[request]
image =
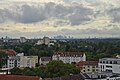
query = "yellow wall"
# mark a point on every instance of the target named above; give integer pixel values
(87, 68)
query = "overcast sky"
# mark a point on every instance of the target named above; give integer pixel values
(77, 18)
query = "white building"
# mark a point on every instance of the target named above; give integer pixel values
(20, 60)
(109, 65)
(13, 61)
(44, 60)
(28, 61)
(101, 76)
(45, 40)
(23, 39)
(69, 57)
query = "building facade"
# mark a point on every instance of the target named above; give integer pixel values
(44, 60)
(28, 61)
(8, 53)
(45, 40)
(69, 57)
(101, 76)
(109, 65)
(23, 40)
(13, 61)
(19, 60)
(88, 66)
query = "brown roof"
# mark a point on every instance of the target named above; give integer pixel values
(81, 63)
(8, 51)
(69, 54)
(15, 77)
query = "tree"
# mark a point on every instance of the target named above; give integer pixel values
(58, 68)
(29, 73)
(16, 71)
(3, 59)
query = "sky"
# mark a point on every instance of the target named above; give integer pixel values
(76, 18)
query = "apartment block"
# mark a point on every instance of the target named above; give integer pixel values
(69, 57)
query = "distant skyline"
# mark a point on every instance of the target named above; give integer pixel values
(76, 18)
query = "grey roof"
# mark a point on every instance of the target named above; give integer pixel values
(45, 58)
(110, 59)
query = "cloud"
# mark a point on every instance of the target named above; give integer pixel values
(69, 17)
(31, 14)
(3, 29)
(34, 13)
(115, 14)
(82, 33)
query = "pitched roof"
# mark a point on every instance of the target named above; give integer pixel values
(15, 77)
(69, 54)
(8, 51)
(81, 63)
(70, 77)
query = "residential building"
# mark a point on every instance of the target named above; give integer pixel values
(9, 53)
(16, 77)
(88, 76)
(13, 61)
(109, 65)
(45, 40)
(100, 76)
(44, 60)
(88, 66)
(67, 77)
(69, 57)
(18, 60)
(28, 61)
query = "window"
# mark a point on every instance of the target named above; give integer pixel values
(103, 66)
(93, 70)
(83, 70)
(108, 66)
(115, 62)
(108, 70)
(110, 62)
(93, 67)
(106, 62)
(84, 67)
(88, 69)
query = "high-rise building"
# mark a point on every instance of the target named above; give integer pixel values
(23, 40)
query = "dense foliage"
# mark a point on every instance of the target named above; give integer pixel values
(53, 69)
(3, 59)
(94, 48)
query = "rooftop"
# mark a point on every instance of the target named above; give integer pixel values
(81, 63)
(110, 59)
(8, 51)
(45, 58)
(15, 77)
(69, 54)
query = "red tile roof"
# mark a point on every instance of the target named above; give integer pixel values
(8, 51)
(82, 63)
(69, 54)
(15, 77)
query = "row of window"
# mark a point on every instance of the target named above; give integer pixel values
(109, 62)
(89, 67)
(93, 70)
(107, 66)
